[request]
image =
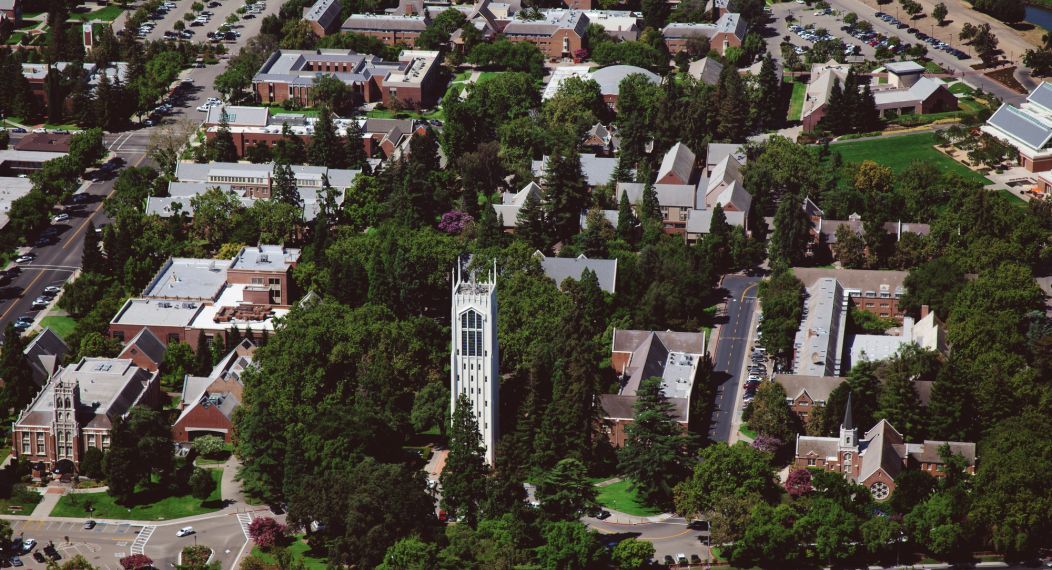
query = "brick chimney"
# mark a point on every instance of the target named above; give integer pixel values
(924, 311)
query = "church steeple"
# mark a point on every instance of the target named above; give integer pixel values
(848, 431)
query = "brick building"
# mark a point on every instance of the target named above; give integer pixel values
(323, 17)
(208, 402)
(558, 33)
(91, 74)
(191, 298)
(412, 81)
(637, 355)
(875, 460)
(727, 32)
(77, 409)
(392, 29)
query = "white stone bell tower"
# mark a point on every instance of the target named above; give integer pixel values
(474, 359)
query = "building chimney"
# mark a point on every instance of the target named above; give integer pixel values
(924, 311)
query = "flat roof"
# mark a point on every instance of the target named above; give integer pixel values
(232, 296)
(820, 340)
(188, 278)
(265, 258)
(157, 312)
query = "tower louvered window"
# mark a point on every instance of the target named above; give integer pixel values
(471, 334)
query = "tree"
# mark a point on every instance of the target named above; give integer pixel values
(210, 446)
(267, 532)
(939, 12)
(850, 248)
(19, 387)
(91, 463)
(767, 97)
(565, 193)
(782, 298)
(463, 479)
(569, 544)
(431, 407)
(654, 456)
(221, 148)
(935, 284)
(139, 446)
(283, 186)
(898, 402)
(214, 211)
(632, 554)
(725, 471)
(733, 106)
(792, 232)
(531, 223)
(411, 553)
(832, 529)
(565, 491)
(326, 149)
(798, 483)
(136, 562)
(202, 484)
(912, 487)
(770, 415)
(768, 540)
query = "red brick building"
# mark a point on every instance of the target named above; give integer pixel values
(208, 402)
(392, 29)
(558, 33)
(323, 17)
(727, 32)
(77, 410)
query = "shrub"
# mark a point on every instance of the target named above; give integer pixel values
(798, 483)
(196, 555)
(201, 484)
(267, 532)
(136, 561)
(91, 463)
(210, 446)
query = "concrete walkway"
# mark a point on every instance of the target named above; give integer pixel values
(230, 488)
(47, 503)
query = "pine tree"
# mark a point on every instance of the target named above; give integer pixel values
(464, 478)
(202, 357)
(656, 452)
(355, 152)
(627, 223)
(733, 106)
(649, 207)
(19, 387)
(325, 147)
(92, 260)
(565, 193)
(792, 232)
(867, 113)
(289, 149)
(768, 94)
(221, 148)
(283, 186)
(490, 233)
(531, 225)
(622, 171)
(833, 120)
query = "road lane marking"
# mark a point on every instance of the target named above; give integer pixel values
(28, 287)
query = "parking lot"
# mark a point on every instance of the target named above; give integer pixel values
(103, 545)
(808, 21)
(219, 11)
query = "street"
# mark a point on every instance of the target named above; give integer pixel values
(670, 537)
(731, 352)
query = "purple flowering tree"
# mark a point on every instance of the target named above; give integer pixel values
(454, 222)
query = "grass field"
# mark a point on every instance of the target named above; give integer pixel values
(148, 505)
(796, 101)
(898, 152)
(299, 550)
(106, 14)
(961, 89)
(61, 325)
(745, 429)
(15, 38)
(620, 498)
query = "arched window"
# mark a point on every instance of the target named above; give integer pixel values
(880, 490)
(67, 405)
(471, 333)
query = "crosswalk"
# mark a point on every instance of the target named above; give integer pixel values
(245, 519)
(139, 545)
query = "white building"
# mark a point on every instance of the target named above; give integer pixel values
(474, 360)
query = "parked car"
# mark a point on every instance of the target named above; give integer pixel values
(16, 561)
(185, 531)
(52, 290)
(40, 303)
(63, 217)
(89, 524)
(39, 558)
(25, 258)
(28, 544)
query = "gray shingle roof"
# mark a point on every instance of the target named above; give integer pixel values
(560, 268)
(148, 344)
(610, 78)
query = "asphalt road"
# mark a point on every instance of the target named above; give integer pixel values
(671, 537)
(222, 533)
(731, 352)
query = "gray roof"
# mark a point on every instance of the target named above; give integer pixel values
(188, 278)
(551, 21)
(265, 258)
(384, 22)
(561, 268)
(882, 448)
(239, 115)
(678, 161)
(671, 356)
(676, 195)
(154, 312)
(928, 452)
(618, 406)
(324, 12)
(597, 170)
(716, 152)
(864, 280)
(825, 448)
(819, 342)
(707, 70)
(44, 353)
(903, 67)
(148, 344)
(700, 221)
(817, 387)
(1021, 126)
(610, 78)
(1042, 95)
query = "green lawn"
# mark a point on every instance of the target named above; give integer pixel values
(66, 126)
(462, 76)
(961, 89)
(796, 102)
(747, 431)
(932, 67)
(299, 550)
(1013, 199)
(62, 326)
(106, 14)
(620, 498)
(149, 505)
(228, 450)
(14, 39)
(898, 152)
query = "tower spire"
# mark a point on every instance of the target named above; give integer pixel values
(849, 422)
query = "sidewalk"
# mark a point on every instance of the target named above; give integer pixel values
(46, 504)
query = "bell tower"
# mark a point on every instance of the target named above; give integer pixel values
(64, 426)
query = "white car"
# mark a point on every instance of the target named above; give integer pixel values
(185, 531)
(63, 217)
(204, 108)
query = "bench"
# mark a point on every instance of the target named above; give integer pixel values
(15, 508)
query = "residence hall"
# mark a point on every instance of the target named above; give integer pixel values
(823, 231)
(1028, 129)
(637, 355)
(193, 298)
(727, 32)
(559, 33)
(907, 91)
(323, 17)
(251, 126)
(91, 74)
(805, 395)
(878, 457)
(412, 81)
(77, 409)
(208, 402)
(248, 182)
(609, 79)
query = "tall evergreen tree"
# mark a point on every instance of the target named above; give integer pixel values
(202, 357)
(649, 207)
(19, 387)
(565, 193)
(792, 232)
(733, 106)
(289, 149)
(531, 224)
(464, 478)
(656, 452)
(283, 186)
(222, 148)
(867, 113)
(490, 233)
(325, 147)
(768, 91)
(355, 152)
(627, 223)
(92, 260)
(834, 118)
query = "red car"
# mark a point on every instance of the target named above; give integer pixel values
(443, 516)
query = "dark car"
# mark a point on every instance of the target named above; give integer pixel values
(18, 130)
(695, 559)
(39, 557)
(89, 524)
(602, 514)
(16, 561)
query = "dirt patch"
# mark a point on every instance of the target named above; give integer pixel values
(1004, 76)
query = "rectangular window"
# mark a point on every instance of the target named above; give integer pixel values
(664, 212)
(811, 462)
(26, 449)
(274, 281)
(173, 337)
(105, 442)
(257, 280)
(40, 443)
